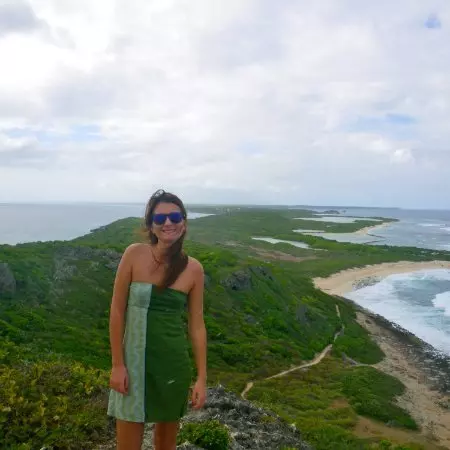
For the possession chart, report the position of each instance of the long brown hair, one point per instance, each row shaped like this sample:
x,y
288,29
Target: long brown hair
x,y
177,258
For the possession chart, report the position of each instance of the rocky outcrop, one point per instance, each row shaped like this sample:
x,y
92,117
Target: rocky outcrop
x,y
250,427
238,281
241,280
365,282
65,258
7,281
262,271
301,314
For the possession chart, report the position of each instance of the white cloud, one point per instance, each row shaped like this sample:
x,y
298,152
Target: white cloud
x,y
299,102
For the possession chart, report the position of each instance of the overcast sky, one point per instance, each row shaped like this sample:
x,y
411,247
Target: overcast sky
x,y
286,101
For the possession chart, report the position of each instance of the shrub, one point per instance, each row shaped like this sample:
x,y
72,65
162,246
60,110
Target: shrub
x,y
51,404
372,394
210,435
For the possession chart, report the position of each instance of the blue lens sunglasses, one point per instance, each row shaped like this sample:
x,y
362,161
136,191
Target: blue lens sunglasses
x,y
174,217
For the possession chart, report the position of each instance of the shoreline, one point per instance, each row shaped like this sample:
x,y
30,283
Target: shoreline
x,y
423,370
368,230
344,281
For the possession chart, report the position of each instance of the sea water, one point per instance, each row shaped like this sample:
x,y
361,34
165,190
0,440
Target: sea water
x,y
47,222
417,301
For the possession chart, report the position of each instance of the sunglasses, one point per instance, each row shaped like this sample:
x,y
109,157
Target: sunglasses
x,y
174,217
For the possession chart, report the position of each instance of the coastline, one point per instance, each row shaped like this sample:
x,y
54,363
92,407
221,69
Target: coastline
x,y
368,230
344,281
423,370
424,373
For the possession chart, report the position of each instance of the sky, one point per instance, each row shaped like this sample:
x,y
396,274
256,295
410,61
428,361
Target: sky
x,y
342,102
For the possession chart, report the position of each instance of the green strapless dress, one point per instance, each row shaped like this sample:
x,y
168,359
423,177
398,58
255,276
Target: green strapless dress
x,y
156,356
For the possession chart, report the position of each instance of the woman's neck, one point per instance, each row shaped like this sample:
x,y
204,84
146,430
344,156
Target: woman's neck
x,y
160,251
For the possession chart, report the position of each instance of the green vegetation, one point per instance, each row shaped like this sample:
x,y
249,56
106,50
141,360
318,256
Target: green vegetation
x,y
262,315
49,403
324,402
354,342
210,435
371,393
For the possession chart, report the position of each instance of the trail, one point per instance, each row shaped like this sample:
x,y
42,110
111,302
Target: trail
x,y
317,359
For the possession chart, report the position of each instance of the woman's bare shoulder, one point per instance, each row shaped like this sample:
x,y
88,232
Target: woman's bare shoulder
x,y
195,264
135,249
195,267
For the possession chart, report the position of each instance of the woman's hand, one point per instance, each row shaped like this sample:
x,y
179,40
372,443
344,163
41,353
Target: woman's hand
x,y
199,394
119,379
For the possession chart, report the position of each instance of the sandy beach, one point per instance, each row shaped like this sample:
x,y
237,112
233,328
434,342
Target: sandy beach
x,y
368,230
342,282
421,399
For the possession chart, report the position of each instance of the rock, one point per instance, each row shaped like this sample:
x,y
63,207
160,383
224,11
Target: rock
x,y
262,271
300,313
188,447
250,319
7,281
112,264
251,427
366,282
238,281
64,258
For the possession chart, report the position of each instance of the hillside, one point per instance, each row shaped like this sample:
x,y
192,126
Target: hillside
x,y
262,312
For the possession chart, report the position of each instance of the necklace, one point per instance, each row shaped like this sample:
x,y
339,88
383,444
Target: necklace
x,y
157,261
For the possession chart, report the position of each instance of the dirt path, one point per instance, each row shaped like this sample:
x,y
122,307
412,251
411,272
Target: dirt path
x,y
317,359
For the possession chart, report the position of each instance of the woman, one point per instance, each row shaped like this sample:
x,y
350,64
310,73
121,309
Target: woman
x,y
151,370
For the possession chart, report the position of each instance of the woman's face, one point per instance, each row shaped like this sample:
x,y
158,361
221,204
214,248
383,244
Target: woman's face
x,y
168,223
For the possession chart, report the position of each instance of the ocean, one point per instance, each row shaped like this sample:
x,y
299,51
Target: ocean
x,y
419,301
21,223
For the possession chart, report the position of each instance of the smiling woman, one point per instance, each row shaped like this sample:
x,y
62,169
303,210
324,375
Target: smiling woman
x,y
151,370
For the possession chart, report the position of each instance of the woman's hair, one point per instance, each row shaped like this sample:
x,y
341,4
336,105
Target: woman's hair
x,y
177,259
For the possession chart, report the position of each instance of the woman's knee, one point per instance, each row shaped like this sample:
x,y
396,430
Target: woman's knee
x,y
129,435
165,435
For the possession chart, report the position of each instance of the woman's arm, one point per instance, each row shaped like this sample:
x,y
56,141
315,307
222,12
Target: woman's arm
x,y
197,333
117,319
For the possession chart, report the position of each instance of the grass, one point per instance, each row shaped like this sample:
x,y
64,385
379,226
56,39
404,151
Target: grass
x,y
308,399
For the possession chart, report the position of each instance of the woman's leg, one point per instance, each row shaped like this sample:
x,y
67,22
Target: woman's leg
x,y
129,435
165,435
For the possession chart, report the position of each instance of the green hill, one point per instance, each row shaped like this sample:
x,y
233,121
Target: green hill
x,y
262,314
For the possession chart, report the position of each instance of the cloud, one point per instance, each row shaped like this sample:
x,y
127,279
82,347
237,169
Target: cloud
x,y
17,16
312,102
